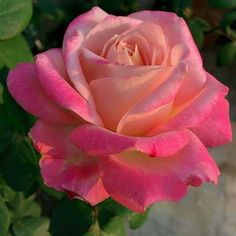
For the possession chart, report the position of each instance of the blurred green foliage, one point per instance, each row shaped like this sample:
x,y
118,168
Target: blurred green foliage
x,y
27,206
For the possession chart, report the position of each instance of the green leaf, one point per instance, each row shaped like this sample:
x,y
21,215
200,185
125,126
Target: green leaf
x,y
6,131
31,227
113,208
228,19
137,220
113,226
182,8
227,54
197,33
19,165
6,193
14,50
204,25
71,218
222,3
14,16
22,207
231,33
5,218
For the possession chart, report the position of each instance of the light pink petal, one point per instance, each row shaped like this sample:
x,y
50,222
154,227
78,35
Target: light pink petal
x,y
24,86
54,80
155,108
85,22
73,39
63,166
96,67
177,32
98,141
138,181
73,67
105,30
216,129
114,96
196,110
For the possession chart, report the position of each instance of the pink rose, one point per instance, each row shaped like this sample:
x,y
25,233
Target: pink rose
x,y
125,109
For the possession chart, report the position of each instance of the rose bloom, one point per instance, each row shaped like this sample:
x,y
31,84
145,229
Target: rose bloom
x,y
125,109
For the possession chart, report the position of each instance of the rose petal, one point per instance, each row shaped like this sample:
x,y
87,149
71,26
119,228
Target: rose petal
x,y
63,166
53,79
96,67
155,108
98,141
85,22
177,32
50,139
114,96
110,26
158,179
198,109
73,67
24,86
216,129
81,179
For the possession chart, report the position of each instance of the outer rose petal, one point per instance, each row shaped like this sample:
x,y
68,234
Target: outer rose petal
x,y
73,39
98,141
216,129
199,108
85,22
177,32
137,181
24,86
53,78
63,166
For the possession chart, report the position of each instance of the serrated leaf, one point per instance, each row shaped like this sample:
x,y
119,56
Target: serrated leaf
x,y
31,227
137,220
197,33
5,218
228,19
222,3
6,193
14,16
72,218
227,54
22,207
14,50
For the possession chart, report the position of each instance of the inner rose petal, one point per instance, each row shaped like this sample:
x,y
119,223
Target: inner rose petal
x,y
143,44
